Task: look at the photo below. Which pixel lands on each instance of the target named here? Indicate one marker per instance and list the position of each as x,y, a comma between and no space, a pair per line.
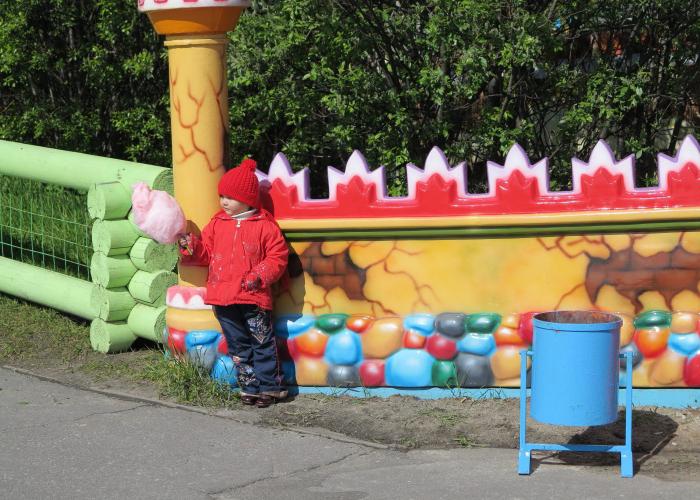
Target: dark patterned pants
251,344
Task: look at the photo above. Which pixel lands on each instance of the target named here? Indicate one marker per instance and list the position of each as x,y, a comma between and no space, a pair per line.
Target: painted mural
438,288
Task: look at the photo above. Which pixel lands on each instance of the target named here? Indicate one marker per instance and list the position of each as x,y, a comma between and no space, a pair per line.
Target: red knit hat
241,184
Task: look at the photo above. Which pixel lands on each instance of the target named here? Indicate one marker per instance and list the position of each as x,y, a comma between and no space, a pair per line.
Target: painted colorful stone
626,329
636,355
312,342
422,323
344,348
482,344
511,320
413,340
450,324
292,348
691,371
291,326
505,362
651,341
441,347
372,372
311,371
202,348
507,336
176,341
201,337
473,371
331,323
483,322
343,376
668,368
222,347
409,368
444,374
525,329
653,318
383,338
224,371
684,343
684,322
359,322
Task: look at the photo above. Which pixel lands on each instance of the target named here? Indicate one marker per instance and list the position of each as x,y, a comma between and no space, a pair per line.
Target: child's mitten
251,283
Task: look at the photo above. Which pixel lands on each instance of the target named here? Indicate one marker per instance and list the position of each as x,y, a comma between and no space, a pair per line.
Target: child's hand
251,283
185,242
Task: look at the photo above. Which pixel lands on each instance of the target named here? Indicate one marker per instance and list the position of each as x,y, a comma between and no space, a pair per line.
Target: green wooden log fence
49,288
77,170
130,272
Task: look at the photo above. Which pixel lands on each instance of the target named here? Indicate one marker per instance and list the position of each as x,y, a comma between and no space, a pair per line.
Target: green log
48,288
113,304
109,200
135,227
113,237
150,256
77,170
111,272
150,288
110,337
148,322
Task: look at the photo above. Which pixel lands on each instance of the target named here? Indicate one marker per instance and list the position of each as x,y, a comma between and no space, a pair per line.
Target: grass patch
445,417
186,383
130,366
464,442
28,331
45,225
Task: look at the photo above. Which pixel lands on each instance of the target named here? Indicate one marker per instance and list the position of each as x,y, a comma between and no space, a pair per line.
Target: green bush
316,79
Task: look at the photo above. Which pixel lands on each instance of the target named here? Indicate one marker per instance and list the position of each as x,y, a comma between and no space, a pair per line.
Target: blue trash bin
575,368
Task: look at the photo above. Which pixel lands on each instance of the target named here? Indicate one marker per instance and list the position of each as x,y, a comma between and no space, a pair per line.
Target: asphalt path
63,442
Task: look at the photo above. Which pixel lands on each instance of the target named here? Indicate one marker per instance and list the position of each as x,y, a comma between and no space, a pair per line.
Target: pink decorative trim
187,297
146,5
517,186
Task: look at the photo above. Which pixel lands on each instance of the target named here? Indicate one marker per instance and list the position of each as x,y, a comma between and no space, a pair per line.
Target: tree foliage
83,75
316,79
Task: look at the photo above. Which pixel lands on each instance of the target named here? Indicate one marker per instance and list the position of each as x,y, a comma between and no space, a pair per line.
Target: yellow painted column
195,32
199,124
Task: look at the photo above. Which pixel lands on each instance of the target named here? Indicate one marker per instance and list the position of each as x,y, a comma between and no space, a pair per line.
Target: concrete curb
223,414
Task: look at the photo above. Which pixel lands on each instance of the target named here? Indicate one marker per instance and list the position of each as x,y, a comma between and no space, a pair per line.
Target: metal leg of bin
626,457
524,453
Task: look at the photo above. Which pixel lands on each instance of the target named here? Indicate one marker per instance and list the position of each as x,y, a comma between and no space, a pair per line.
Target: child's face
231,206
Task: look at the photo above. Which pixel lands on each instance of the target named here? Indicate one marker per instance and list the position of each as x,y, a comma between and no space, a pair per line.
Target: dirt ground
666,442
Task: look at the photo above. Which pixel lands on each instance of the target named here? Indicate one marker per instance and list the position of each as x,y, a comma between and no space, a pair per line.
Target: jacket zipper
234,249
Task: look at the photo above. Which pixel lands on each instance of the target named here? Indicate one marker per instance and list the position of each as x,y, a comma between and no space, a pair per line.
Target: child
246,253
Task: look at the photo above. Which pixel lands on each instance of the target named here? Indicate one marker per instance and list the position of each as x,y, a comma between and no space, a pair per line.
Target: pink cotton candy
157,214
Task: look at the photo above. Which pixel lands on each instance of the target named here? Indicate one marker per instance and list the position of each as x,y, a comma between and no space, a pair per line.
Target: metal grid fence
45,225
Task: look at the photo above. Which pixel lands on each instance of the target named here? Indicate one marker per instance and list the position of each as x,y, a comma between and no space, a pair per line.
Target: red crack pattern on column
177,107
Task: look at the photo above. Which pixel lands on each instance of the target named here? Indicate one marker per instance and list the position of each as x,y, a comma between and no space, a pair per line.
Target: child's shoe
264,400
249,399
267,398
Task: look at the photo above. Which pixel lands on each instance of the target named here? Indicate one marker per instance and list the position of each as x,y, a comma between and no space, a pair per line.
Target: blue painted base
665,398
625,451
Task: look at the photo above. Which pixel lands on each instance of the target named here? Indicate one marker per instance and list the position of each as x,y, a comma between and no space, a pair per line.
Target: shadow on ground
651,432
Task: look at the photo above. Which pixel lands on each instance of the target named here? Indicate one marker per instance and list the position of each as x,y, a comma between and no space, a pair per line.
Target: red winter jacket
238,251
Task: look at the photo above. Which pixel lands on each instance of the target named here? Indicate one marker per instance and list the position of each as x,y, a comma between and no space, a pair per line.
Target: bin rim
610,322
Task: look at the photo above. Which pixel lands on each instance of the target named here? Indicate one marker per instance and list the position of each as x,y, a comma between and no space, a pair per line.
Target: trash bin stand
625,451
